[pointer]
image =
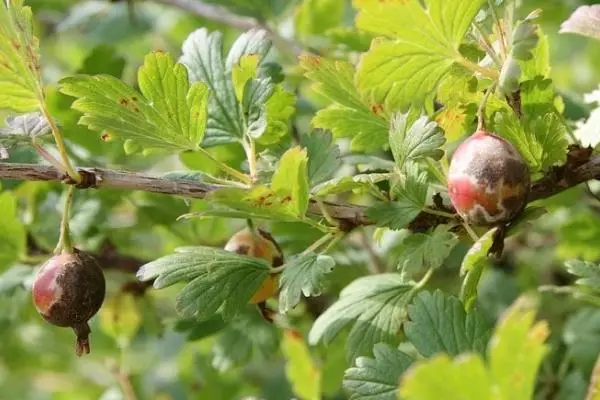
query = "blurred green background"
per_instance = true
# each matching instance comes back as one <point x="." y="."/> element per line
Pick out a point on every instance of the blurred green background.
<point x="138" y="342"/>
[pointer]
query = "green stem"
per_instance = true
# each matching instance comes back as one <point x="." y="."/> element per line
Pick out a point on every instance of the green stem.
<point x="470" y="231"/>
<point x="503" y="43"/>
<point x="335" y="241"/>
<point x="60" y="144"/>
<point x="251" y="226"/>
<point x="250" y="149"/>
<point x="437" y="172"/>
<point x="320" y="242"/>
<point x="421" y="284"/>
<point x="481" y="108"/>
<point x="48" y="157"/>
<point x="325" y="213"/>
<point x="487" y="72"/>
<point x="315" y="224"/>
<point x="488" y="46"/>
<point x="226" y="168"/>
<point x="440" y="213"/>
<point x="64" y="242"/>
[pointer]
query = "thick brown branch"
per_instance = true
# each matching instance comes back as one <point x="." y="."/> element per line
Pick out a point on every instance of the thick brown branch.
<point x="349" y="216"/>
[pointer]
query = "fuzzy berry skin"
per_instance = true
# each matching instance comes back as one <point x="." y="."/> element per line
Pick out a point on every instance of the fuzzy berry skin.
<point x="69" y="290"/>
<point x="260" y="245"/>
<point x="488" y="180"/>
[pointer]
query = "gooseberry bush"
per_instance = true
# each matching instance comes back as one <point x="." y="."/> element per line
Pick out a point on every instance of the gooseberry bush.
<point x="311" y="199"/>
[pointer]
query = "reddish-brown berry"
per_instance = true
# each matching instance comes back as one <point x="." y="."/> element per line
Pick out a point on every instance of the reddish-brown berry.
<point x="69" y="290"/>
<point x="488" y="180"/>
<point x="260" y="245"/>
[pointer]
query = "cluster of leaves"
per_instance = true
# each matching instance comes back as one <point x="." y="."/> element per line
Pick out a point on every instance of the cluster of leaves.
<point x="381" y="138"/>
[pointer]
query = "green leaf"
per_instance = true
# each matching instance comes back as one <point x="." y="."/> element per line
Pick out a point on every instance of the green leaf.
<point x="235" y="346"/>
<point x="290" y="181"/>
<point x="539" y="64"/>
<point x="376" y="307"/>
<point x="541" y="140"/>
<point x="472" y="267"/>
<point x="203" y="57"/>
<point x="279" y="108"/>
<point x="12" y="231"/>
<point x="441" y="378"/>
<point x="351" y="115"/>
<point x="426" y="251"/>
<point x="588" y="273"/>
<point x="300" y="369"/>
<point x="245" y="70"/>
<point x="323" y="155"/>
<point x="20" y="81"/>
<point x="22" y="130"/>
<point x="361" y="183"/>
<point x="518" y="340"/>
<point x="169" y="113"/>
<point x="578" y="236"/>
<point x="523" y="40"/>
<point x="377" y="378"/>
<point x="408" y="68"/>
<point x="218" y="279"/>
<point x="315" y="17"/>
<point x="581" y="335"/>
<point x="303" y="275"/>
<point x="411" y="192"/>
<point x="440" y="324"/>
<point x="414" y="141"/>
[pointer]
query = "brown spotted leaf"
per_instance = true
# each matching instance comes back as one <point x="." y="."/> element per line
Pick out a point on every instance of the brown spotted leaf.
<point x="19" y="59"/>
<point x="168" y="114"/>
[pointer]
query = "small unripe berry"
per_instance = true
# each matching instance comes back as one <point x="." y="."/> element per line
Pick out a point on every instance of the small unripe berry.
<point x="260" y="245"/>
<point x="488" y="180"/>
<point x="69" y="290"/>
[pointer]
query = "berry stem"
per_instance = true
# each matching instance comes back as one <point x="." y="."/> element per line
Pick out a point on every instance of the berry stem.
<point x="60" y="144"/>
<point x="481" y="109"/>
<point x="470" y="231"/>
<point x="64" y="242"/>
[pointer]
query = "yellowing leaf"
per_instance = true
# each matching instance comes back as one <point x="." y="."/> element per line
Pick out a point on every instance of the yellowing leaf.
<point x="290" y="181"/>
<point x="243" y="72"/>
<point x="517" y="349"/>
<point x="300" y="369"/>
<point x="352" y="114"/>
<point x="20" y="85"/>
<point x="406" y="69"/>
